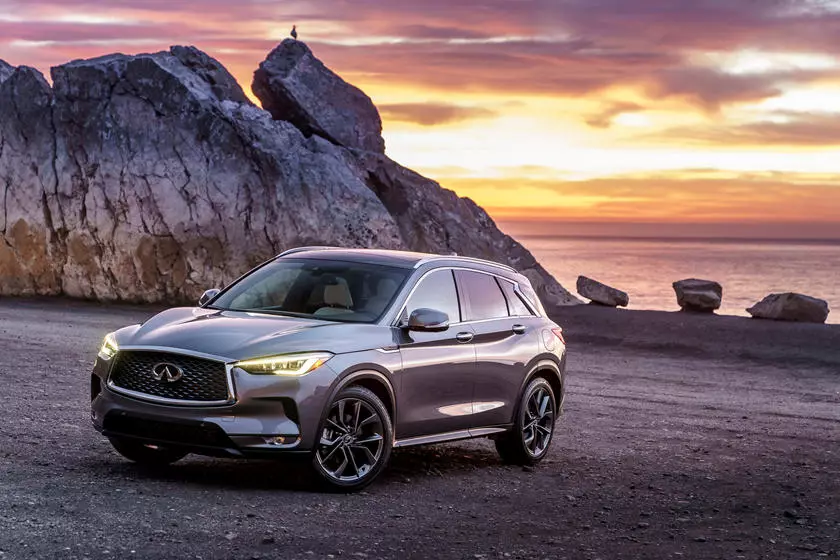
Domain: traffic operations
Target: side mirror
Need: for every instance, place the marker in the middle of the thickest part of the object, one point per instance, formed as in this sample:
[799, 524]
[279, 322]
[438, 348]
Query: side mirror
[428, 320]
[207, 296]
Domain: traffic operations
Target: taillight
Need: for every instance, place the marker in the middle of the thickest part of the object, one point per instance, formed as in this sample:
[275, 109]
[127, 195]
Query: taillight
[558, 332]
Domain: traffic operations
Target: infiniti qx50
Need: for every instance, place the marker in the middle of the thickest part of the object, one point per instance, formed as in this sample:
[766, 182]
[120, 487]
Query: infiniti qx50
[338, 355]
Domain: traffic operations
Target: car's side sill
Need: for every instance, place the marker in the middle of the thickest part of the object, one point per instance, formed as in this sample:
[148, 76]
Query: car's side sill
[450, 436]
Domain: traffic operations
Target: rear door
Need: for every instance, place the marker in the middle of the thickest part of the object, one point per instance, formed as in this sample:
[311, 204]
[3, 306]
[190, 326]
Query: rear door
[436, 382]
[506, 338]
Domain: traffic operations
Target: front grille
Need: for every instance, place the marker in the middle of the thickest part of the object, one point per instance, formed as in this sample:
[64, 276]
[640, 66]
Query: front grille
[202, 381]
[198, 434]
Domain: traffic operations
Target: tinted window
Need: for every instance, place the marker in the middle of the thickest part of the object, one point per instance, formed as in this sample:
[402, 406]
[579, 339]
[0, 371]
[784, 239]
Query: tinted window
[515, 304]
[333, 290]
[436, 291]
[531, 296]
[484, 297]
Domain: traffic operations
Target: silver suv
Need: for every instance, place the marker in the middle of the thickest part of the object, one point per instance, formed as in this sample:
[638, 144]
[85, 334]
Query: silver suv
[339, 355]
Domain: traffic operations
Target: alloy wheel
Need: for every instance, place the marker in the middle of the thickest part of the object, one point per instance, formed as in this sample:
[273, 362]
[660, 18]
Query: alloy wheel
[538, 423]
[352, 440]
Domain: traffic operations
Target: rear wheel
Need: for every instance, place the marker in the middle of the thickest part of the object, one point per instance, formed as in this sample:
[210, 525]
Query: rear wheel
[146, 454]
[355, 441]
[530, 439]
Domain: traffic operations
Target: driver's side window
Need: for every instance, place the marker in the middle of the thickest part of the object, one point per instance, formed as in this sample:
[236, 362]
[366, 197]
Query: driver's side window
[436, 291]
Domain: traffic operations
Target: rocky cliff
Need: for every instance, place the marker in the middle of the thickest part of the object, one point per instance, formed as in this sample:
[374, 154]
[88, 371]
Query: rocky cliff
[6, 70]
[152, 177]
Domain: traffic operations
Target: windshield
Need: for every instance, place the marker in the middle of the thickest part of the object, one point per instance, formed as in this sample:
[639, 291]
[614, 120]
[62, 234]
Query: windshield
[322, 289]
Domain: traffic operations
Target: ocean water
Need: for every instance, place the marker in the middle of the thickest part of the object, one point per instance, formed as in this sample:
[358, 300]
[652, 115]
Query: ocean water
[645, 268]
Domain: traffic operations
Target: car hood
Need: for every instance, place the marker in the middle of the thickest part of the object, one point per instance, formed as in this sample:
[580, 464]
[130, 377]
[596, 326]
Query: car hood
[239, 335]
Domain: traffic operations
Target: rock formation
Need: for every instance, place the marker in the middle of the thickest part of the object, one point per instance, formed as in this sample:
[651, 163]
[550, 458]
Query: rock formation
[152, 177]
[791, 307]
[295, 86]
[601, 293]
[222, 82]
[6, 70]
[698, 295]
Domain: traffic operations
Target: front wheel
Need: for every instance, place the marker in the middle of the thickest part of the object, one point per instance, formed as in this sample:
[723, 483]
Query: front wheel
[355, 441]
[528, 442]
[146, 454]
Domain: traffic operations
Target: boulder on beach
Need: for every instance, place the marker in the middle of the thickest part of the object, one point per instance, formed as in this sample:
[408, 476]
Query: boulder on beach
[151, 178]
[601, 293]
[702, 296]
[791, 307]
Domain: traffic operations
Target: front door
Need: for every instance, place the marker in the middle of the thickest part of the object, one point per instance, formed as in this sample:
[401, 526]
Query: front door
[436, 380]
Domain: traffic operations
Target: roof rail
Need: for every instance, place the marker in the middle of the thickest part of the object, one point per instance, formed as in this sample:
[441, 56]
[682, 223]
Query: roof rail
[288, 252]
[459, 258]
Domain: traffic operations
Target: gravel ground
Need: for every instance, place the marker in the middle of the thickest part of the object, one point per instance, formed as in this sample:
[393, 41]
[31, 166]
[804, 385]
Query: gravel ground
[684, 437]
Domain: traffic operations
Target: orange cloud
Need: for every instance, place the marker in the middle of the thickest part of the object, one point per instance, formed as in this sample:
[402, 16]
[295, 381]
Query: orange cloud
[810, 130]
[431, 114]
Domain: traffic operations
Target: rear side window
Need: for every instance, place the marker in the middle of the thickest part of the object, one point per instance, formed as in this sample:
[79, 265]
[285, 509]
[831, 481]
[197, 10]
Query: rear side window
[515, 304]
[484, 298]
[436, 291]
[531, 296]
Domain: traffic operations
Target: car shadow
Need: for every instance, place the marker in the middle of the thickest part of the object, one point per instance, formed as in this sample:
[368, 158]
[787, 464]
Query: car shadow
[440, 460]
[406, 465]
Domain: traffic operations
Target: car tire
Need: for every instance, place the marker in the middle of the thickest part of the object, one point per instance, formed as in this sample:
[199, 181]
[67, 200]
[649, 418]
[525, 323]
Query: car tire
[530, 439]
[147, 455]
[354, 441]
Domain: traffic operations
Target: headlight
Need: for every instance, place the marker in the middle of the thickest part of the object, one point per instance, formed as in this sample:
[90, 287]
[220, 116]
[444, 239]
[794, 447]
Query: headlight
[109, 347]
[289, 364]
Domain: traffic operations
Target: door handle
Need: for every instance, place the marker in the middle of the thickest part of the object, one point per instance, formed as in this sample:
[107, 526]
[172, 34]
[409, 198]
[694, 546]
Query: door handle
[519, 329]
[464, 336]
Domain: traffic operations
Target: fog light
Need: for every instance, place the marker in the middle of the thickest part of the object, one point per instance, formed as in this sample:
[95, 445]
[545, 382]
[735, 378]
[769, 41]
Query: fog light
[282, 441]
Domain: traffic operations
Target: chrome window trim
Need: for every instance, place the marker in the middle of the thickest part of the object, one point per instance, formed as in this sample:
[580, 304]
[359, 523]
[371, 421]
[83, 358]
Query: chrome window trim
[395, 321]
[177, 402]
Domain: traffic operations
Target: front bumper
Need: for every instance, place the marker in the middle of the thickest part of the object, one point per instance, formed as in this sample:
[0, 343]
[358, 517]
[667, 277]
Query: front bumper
[270, 415]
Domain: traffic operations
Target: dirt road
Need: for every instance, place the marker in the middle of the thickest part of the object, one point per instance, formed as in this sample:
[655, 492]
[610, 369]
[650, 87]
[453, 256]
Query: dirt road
[684, 437]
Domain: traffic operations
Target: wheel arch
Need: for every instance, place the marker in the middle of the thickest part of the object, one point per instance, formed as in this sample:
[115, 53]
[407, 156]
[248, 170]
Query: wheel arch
[372, 380]
[552, 371]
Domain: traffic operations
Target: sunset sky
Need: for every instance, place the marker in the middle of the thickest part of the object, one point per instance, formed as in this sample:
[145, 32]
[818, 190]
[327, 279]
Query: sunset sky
[706, 117]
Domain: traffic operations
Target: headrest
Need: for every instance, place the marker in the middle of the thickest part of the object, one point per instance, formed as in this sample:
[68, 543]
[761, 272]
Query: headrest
[338, 294]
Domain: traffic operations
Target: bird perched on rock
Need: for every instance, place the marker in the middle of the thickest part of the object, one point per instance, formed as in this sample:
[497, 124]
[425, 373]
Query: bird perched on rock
[294, 32]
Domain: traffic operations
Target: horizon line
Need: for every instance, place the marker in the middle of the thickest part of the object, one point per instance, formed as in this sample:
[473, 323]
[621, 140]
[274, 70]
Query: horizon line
[677, 237]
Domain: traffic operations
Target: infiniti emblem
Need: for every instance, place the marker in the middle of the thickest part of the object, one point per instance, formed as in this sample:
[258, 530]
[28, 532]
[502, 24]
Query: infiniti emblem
[167, 372]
